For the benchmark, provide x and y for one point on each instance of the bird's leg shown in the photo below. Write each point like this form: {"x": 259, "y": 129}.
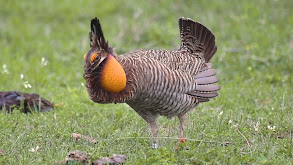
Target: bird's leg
{"x": 182, "y": 122}
{"x": 151, "y": 118}
{"x": 154, "y": 130}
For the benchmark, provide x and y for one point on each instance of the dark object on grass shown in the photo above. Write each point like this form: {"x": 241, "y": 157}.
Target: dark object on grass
{"x": 77, "y": 157}
{"x": 115, "y": 159}
{"x": 10, "y": 100}
{"x": 154, "y": 82}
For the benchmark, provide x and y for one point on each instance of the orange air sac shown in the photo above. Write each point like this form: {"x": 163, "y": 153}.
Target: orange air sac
{"x": 113, "y": 77}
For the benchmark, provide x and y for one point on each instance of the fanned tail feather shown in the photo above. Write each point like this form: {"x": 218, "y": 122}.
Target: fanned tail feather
{"x": 196, "y": 38}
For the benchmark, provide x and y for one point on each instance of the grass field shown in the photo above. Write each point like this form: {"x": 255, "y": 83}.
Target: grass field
{"x": 251, "y": 122}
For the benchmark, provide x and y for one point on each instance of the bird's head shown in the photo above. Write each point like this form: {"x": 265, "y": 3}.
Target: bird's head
{"x": 101, "y": 66}
{"x": 99, "y": 48}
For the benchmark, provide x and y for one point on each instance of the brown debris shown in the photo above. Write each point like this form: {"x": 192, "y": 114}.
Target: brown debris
{"x": 1, "y": 152}
{"x": 115, "y": 159}
{"x": 262, "y": 102}
{"x": 280, "y": 136}
{"x": 78, "y": 136}
{"x": 10, "y": 100}
{"x": 77, "y": 156}
{"x": 283, "y": 135}
{"x": 226, "y": 143}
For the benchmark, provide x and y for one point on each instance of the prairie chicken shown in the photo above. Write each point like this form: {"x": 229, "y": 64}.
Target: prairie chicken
{"x": 26, "y": 102}
{"x": 154, "y": 82}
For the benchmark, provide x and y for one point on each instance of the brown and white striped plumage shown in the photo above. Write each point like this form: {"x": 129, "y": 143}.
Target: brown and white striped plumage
{"x": 159, "y": 82}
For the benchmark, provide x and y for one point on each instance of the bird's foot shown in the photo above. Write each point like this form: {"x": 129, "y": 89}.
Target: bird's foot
{"x": 182, "y": 140}
{"x": 181, "y": 144}
{"x": 155, "y": 145}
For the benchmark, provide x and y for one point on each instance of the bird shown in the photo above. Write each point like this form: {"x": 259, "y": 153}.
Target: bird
{"x": 9, "y": 100}
{"x": 154, "y": 82}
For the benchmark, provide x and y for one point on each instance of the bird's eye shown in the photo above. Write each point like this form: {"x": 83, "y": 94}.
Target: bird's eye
{"x": 84, "y": 56}
{"x": 94, "y": 57}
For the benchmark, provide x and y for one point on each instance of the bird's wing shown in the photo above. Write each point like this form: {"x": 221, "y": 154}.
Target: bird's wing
{"x": 174, "y": 60}
{"x": 159, "y": 77}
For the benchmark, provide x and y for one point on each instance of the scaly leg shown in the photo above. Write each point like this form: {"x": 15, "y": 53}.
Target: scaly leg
{"x": 154, "y": 130}
{"x": 151, "y": 118}
{"x": 182, "y": 122}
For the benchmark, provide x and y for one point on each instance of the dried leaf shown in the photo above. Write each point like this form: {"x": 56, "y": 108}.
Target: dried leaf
{"x": 1, "y": 152}
{"x": 103, "y": 160}
{"x": 119, "y": 158}
{"x": 115, "y": 159}
{"x": 78, "y": 136}
{"x": 282, "y": 135}
{"x": 78, "y": 156}
{"x": 226, "y": 143}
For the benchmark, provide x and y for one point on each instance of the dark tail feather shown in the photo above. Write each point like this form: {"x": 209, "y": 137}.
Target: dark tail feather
{"x": 196, "y": 38}
{"x": 96, "y": 35}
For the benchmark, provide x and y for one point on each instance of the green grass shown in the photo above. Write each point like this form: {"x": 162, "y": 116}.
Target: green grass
{"x": 254, "y": 63}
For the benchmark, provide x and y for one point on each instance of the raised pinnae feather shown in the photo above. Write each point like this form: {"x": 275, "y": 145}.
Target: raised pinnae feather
{"x": 97, "y": 38}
